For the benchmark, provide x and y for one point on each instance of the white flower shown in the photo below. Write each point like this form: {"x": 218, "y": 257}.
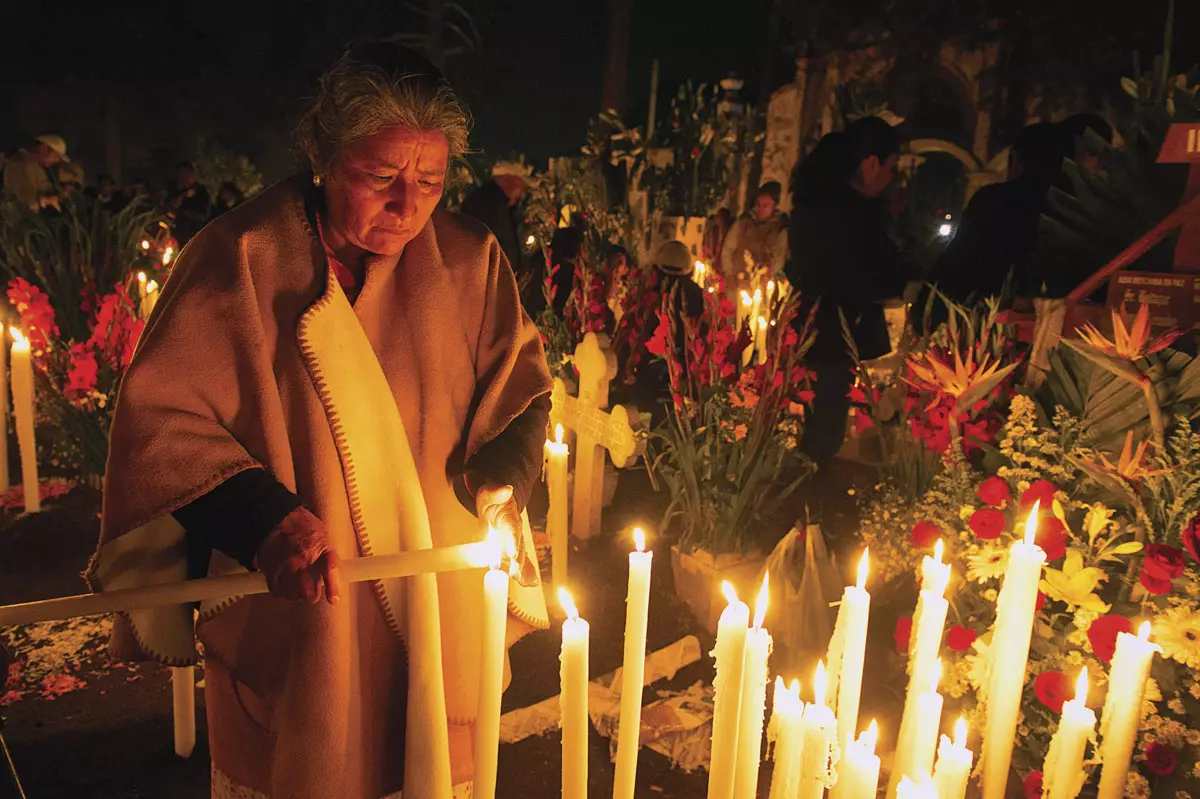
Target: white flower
{"x": 986, "y": 563}
{"x": 1177, "y": 631}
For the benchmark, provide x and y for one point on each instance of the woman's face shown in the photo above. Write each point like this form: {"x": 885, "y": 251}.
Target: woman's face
{"x": 384, "y": 187}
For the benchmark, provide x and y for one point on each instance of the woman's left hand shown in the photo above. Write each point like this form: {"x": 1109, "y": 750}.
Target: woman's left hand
{"x": 498, "y": 508}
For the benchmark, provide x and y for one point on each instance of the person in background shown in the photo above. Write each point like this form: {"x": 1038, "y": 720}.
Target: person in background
{"x": 843, "y": 258}
{"x": 496, "y": 203}
{"x": 106, "y": 193}
{"x": 228, "y": 198}
{"x": 139, "y": 193}
{"x": 188, "y": 203}
{"x": 27, "y": 179}
{"x": 755, "y": 249}
{"x": 70, "y": 178}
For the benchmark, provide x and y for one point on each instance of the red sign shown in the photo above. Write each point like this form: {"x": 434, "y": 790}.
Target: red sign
{"x": 1182, "y": 145}
{"x": 1174, "y": 299}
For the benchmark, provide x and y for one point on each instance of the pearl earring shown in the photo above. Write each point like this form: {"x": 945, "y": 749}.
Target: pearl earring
{"x": 316, "y": 180}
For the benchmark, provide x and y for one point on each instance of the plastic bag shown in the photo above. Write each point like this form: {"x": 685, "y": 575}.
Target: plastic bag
{"x": 804, "y": 582}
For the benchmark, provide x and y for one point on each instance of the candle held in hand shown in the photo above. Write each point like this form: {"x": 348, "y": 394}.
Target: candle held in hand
{"x": 637, "y": 605}
{"x": 491, "y": 669}
{"x": 573, "y": 700}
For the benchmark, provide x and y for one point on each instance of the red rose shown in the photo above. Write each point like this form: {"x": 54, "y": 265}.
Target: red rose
{"x": 903, "y": 633}
{"x": 1161, "y": 759}
{"x": 1033, "y": 785}
{"x": 924, "y": 534}
{"x": 1154, "y": 585}
{"x": 1163, "y": 562}
{"x": 987, "y": 523}
{"x": 1051, "y": 688}
{"x": 1041, "y": 490}
{"x": 1052, "y": 541}
{"x": 1103, "y": 634}
{"x": 993, "y": 491}
{"x": 1191, "y": 537}
{"x": 960, "y": 638}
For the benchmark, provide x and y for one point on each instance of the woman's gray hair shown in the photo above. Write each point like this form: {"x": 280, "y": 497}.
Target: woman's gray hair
{"x": 377, "y": 86}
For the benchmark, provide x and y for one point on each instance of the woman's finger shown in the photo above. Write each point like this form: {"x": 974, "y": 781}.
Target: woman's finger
{"x": 331, "y": 575}
{"x": 309, "y": 588}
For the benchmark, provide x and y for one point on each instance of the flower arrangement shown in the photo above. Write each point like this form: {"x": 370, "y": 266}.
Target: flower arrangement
{"x": 728, "y": 451}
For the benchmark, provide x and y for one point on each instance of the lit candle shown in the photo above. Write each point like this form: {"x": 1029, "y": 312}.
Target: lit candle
{"x": 556, "y": 516}
{"x": 168, "y": 253}
{"x": 3, "y": 417}
{"x": 858, "y": 773}
{"x": 820, "y": 742}
{"x": 149, "y": 298}
{"x": 786, "y": 734}
{"x": 754, "y": 701}
{"x": 637, "y": 604}
{"x": 1011, "y": 634}
{"x": 920, "y": 788}
{"x": 22, "y": 396}
{"x": 925, "y": 729}
{"x": 730, "y": 654}
{"x": 700, "y": 273}
{"x": 929, "y": 620}
{"x": 573, "y": 700}
{"x": 1123, "y": 708}
{"x": 1062, "y": 774}
{"x": 491, "y": 671}
{"x": 954, "y": 760}
{"x": 744, "y": 307}
{"x": 141, "y": 278}
{"x": 849, "y": 650}
{"x": 760, "y": 339}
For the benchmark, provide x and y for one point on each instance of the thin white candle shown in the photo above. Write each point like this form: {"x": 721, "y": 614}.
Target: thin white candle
{"x": 23, "y": 409}
{"x": 183, "y": 696}
{"x": 820, "y": 742}
{"x": 786, "y": 733}
{"x": 858, "y": 773}
{"x": 1123, "y": 708}
{"x": 1062, "y": 774}
{"x": 853, "y": 617}
{"x": 730, "y": 654}
{"x": 491, "y": 672}
{"x": 3, "y": 417}
{"x": 920, "y": 788}
{"x": 556, "y": 517}
{"x": 954, "y": 761}
{"x": 754, "y": 701}
{"x": 573, "y": 700}
{"x": 1011, "y": 635}
{"x": 149, "y": 299}
{"x": 925, "y": 729}
{"x": 637, "y": 605}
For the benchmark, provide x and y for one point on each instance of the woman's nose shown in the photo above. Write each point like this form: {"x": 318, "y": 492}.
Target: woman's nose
{"x": 403, "y": 200}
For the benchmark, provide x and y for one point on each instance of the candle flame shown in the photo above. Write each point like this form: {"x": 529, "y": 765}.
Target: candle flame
{"x": 529, "y": 240}
{"x": 868, "y": 737}
{"x": 639, "y": 539}
{"x": 794, "y": 688}
{"x": 141, "y": 277}
{"x": 780, "y": 689}
{"x": 758, "y": 295}
{"x": 152, "y": 287}
{"x": 1081, "y": 687}
{"x": 770, "y": 286}
{"x": 760, "y": 605}
{"x": 862, "y": 570}
{"x": 938, "y": 549}
{"x": 1144, "y": 631}
{"x": 746, "y": 298}
{"x": 558, "y": 434}
{"x": 819, "y": 685}
{"x": 936, "y": 676}
{"x": 145, "y": 244}
{"x": 729, "y": 592}
{"x": 762, "y": 323}
{"x": 568, "y": 604}
{"x": 18, "y": 337}
{"x": 960, "y": 733}
{"x": 1031, "y": 524}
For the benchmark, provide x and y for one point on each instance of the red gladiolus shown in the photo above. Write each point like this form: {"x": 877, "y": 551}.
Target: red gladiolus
{"x": 994, "y": 491}
{"x": 903, "y": 633}
{"x": 1033, "y": 785}
{"x": 1191, "y": 537}
{"x": 1103, "y": 634}
{"x": 1161, "y": 759}
{"x": 657, "y": 345}
{"x": 862, "y": 422}
{"x": 924, "y": 534}
{"x": 81, "y": 372}
{"x": 960, "y": 638}
{"x": 805, "y": 397}
{"x": 1051, "y": 688}
{"x": 987, "y": 524}
{"x": 1042, "y": 490}
{"x": 856, "y": 394}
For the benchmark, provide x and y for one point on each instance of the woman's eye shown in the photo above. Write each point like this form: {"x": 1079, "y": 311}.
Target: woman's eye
{"x": 381, "y": 178}
{"x": 428, "y": 184}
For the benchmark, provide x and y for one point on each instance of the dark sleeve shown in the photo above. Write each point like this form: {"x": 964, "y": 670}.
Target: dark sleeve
{"x": 236, "y": 516}
{"x": 512, "y": 458}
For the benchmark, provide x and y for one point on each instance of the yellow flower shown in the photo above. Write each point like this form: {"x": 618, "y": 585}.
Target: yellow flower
{"x": 1075, "y": 584}
{"x": 986, "y": 562}
{"x": 1130, "y": 343}
{"x": 935, "y": 373}
{"x": 1177, "y": 631}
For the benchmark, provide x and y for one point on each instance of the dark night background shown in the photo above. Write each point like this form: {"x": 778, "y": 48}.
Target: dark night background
{"x": 146, "y": 80}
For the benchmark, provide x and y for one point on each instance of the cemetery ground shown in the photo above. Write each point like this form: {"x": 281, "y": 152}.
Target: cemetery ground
{"x": 111, "y": 736}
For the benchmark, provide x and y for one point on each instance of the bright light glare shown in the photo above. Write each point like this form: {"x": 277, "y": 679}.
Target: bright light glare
{"x": 945, "y": 229}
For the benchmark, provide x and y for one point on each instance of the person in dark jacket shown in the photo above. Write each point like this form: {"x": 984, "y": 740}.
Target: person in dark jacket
{"x": 495, "y": 205}
{"x": 841, "y": 257}
{"x": 189, "y": 203}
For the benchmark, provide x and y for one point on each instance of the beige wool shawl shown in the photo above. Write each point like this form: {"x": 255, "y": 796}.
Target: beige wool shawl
{"x": 255, "y": 358}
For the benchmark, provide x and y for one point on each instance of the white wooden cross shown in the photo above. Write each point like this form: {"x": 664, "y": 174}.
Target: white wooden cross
{"x": 596, "y": 429}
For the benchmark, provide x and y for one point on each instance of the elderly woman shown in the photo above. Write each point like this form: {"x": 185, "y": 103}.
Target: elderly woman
{"x": 336, "y": 368}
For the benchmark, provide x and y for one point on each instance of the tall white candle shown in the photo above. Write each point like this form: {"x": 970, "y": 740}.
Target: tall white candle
{"x": 730, "y": 654}
{"x": 925, "y": 729}
{"x": 954, "y": 760}
{"x": 183, "y": 695}
{"x": 858, "y": 773}
{"x": 1062, "y": 774}
{"x": 754, "y": 702}
{"x": 919, "y": 788}
{"x": 637, "y": 605}
{"x": 22, "y": 393}
{"x": 760, "y": 339}
{"x": 786, "y": 733}
{"x": 556, "y": 516}
{"x": 820, "y": 742}
{"x": 491, "y": 673}
{"x": 929, "y": 621}
{"x": 149, "y": 299}
{"x": 3, "y": 417}
{"x": 1011, "y": 634}
{"x": 1123, "y": 708}
{"x": 573, "y": 700}
{"x": 853, "y": 616}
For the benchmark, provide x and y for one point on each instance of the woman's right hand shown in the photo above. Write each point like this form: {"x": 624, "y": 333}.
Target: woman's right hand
{"x": 298, "y": 560}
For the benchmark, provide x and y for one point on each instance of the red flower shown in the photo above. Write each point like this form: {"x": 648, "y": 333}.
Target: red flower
{"x": 903, "y": 633}
{"x": 987, "y": 523}
{"x": 862, "y": 422}
{"x": 994, "y": 491}
{"x": 1033, "y": 785}
{"x": 1041, "y": 602}
{"x": 856, "y": 394}
{"x": 960, "y": 638}
{"x": 1103, "y": 634}
{"x": 1154, "y": 585}
{"x": 1052, "y": 538}
{"x": 81, "y": 372}
{"x": 1163, "y": 562}
{"x": 924, "y": 534}
{"x": 1191, "y": 537}
{"x": 658, "y": 344}
{"x": 1161, "y": 759}
{"x": 1042, "y": 490}
{"x": 1051, "y": 689}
